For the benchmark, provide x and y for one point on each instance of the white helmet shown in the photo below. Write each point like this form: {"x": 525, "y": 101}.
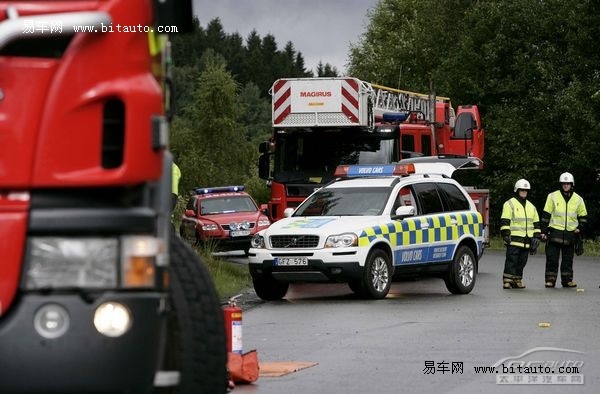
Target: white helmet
{"x": 522, "y": 184}
{"x": 566, "y": 177}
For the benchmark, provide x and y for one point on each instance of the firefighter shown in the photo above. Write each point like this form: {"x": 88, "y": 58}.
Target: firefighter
{"x": 175, "y": 177}
{"x": 520, "y": 229}
{"x": 563, "y": 220}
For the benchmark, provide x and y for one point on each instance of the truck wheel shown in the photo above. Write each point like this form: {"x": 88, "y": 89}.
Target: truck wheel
{"x": 377, "y": 276}
{"x": 196, "y": 344}
{"x": 460, "y": 278}
{"x": 268, "y": 288}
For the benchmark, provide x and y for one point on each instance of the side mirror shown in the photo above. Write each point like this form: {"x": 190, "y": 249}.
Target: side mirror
{"x": 263, "y": 147}
{"x": 288, "y": 212}
{"x": 189, "y": 213}
{"x": 264, "y": 208}
{"x": 403, "y": 212}
{"x": 264, "y": 166}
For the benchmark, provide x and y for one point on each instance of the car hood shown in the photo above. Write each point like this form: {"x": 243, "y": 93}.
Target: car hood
{"x": 226, "y": 218}
{"x": 324, "y": 224}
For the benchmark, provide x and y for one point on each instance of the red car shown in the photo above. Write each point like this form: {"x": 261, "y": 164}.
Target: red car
{"x": 224, "y": 217}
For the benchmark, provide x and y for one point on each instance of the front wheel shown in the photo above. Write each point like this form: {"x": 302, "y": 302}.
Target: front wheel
{"x": 268, "y": 288}
{"x": 460, "y": 278}
{"x": 196, "y": 344}
{"x": 377, "y": 276}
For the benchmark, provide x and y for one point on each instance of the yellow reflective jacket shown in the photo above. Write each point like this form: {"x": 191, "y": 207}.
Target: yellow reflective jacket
{"x": 561, "y": 217}
{"x": 521, "y": 222}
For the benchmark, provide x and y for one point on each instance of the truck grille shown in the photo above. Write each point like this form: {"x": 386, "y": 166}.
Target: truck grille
{"x": 294, "y": 241}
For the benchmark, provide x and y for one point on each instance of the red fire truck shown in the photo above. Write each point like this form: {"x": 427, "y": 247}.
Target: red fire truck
{"x": 96, "y": 292}
{"x": 320, "y": 123}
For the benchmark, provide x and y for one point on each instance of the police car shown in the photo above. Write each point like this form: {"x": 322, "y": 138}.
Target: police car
{"x": 369, "y": 225}
{"x": 223, "y": 217}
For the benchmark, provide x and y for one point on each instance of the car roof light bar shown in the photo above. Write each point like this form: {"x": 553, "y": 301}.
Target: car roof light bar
{"x": 219, "y": 189}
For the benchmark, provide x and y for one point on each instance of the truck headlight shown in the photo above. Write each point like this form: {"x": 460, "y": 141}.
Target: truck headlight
{"x": 72, "y": 262}
{"x": 257, "y": 241}
{"x": 97, "y": 263}
{"x": 341, "y": 240}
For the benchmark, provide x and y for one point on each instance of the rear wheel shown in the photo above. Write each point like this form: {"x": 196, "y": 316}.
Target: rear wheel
{"x": 268, "y": 288}
{"x": 196, "y": 345}
{"x": 377, "y": 276}
{"x": 460, "y": 278}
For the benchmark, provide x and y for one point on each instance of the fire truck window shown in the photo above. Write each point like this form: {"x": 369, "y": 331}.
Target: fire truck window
{"x": 426, "y": 145}
{"x": 408, "y": 145}
{"x": 463, "y": 129}
{"x": 429, "y": 198}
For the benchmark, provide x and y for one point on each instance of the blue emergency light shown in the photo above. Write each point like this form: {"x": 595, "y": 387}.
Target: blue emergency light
{"x": 374, "y": 170}
{"x": 220, "y": 189}
{"x": 395, "y": 117}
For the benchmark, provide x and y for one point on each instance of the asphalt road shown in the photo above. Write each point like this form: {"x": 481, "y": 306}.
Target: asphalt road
{"x": 405, "y": 343}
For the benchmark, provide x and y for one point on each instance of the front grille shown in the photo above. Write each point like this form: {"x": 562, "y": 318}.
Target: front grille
{"x": 294, "y": 241}
{"x": 226, "y": 226}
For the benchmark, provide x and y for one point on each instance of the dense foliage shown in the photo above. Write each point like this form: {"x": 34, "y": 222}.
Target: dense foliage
{"x": 533, "y": 67}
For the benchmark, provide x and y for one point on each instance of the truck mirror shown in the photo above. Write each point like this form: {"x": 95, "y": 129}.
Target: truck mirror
{"x": 263, "y": 147}
{"x": 175, "y": 14}
{"x": 264, "y": 166}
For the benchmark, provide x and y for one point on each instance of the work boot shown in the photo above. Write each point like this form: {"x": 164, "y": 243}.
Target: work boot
{"x": 569, "y": 284}
{"x": 508, "y": 283}
{"x": 519, "y": 284}
{"x": 550, "y": 284}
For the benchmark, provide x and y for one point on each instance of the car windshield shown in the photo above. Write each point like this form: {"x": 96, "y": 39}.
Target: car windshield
{"x": 350, "y": 201}
{"x": 211, "y": 206}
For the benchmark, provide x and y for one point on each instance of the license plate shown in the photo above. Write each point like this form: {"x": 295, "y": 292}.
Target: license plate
{"x": 239, "y": 233}
{"x": 291, "y": 261}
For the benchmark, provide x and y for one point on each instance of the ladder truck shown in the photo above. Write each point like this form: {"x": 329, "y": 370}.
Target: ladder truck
{"x": 320, "y": 123}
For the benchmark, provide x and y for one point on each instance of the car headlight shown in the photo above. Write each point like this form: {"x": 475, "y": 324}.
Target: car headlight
{"x": 257, "y": 241}
{"x": 263, "y": 222}
{"x": 210, "y": 227}
{"x": 86, "y": 262}
{"x": 341, "y": 240}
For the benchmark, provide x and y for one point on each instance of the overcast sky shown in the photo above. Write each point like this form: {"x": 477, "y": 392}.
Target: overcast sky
{"x": 321, "y": 30}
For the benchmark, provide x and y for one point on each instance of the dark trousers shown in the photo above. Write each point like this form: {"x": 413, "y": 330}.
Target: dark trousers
{"x": 553, "y": 253}
{"x": 516, "y": 259}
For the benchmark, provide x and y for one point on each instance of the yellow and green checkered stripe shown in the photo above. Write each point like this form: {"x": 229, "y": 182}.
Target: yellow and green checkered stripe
{"x": 413, "y": 231}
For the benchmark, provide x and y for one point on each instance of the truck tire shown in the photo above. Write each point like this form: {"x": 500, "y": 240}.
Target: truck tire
{"x": 196, "y": 344}
{"x": 462, "y": 272}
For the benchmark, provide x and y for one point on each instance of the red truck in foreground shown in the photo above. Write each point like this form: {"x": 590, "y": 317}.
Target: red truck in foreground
{"x": 97, "y": 294}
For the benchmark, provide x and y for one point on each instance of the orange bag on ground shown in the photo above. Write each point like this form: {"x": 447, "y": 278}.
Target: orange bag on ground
{"x": 243, "y": 368}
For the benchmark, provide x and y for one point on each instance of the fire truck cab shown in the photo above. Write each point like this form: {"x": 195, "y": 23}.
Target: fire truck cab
{"x": 92, "y": 276}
